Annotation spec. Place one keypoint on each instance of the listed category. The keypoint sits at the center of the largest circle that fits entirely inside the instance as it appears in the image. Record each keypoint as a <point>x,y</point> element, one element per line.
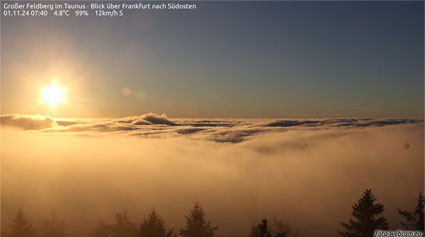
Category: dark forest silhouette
<point>366,218</point>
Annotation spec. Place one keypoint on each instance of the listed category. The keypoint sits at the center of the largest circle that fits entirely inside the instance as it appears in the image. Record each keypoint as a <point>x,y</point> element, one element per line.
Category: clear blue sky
<point>234,59</point>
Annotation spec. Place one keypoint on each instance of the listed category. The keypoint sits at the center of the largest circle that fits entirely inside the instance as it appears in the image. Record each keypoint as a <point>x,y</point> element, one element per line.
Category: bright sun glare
<point>53,95</point>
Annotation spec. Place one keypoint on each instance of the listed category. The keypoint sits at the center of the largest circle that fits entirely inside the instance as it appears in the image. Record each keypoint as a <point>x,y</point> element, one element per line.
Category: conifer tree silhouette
<point>123,227</point>
<point>53,227</point>
<point>366,220</point>
<point>263,230</point>
<point>414,220</point>
<point>196,225</point>
<point>21,226</point>
<point>154,226</point>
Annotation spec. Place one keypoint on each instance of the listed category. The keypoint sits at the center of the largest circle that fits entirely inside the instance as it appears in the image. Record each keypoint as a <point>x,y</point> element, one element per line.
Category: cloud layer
<point>308,172</point>
<point>27,122</point>
<point>218,130</point>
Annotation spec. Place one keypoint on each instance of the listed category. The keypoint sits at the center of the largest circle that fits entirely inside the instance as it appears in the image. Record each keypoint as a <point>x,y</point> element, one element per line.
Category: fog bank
<point>307,175</point>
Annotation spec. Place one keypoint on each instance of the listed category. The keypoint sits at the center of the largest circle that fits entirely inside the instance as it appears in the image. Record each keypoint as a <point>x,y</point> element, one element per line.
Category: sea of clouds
<point>218,130</point>
<point>308,172</point>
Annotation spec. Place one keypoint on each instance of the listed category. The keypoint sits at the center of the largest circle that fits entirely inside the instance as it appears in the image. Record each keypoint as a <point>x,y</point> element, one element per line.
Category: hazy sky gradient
<point>235,59</point>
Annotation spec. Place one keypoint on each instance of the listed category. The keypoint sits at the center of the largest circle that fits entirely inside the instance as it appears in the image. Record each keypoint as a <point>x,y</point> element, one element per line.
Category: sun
<point>53,95</point>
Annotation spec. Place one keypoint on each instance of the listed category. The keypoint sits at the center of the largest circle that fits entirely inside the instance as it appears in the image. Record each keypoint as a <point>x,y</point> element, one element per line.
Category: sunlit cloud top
<point>217,130</point>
